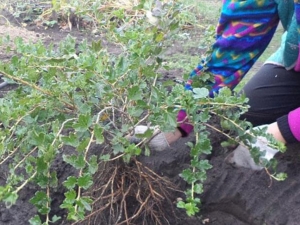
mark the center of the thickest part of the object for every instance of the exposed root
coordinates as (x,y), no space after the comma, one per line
(130,194)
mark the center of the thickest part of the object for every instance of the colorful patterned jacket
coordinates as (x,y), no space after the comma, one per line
(244,31)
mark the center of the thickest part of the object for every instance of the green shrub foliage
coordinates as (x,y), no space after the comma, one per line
(78,96)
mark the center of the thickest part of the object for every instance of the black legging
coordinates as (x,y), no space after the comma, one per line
(273,92)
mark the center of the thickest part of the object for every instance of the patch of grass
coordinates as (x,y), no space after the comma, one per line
(273,45)
(209,10)
(188,42)
(199,14)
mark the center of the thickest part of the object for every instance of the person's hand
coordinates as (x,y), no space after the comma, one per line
(241,156)
(159,141)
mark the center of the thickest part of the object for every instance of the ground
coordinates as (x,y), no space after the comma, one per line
(231,196)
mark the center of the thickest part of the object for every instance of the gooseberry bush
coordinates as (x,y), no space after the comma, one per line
(81,96)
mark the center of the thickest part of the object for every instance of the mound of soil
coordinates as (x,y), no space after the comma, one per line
(239,196)
(231,196)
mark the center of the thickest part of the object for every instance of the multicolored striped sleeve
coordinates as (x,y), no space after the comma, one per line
(245,29)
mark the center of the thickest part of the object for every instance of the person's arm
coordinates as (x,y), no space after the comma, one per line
(244,31)
(288,127)
(286,130)
(276,133)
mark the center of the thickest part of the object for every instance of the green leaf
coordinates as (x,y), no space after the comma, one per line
(83,145)
(199,176)
(127,158)
(71,140)
(198,188)
(93,164)
(188,176)
(96,46)
(70,182)
(29,168)
(200,93)
(70,196)
(205,146)
(84,108)
(118,149)
(135,111)
(55,218)
(225,92)
(181,205)
(40,196)
(83,123)
(36,220)
(86,202)
(80,162)
(205,165)
(191,209)
(203,116)
(49,154)
(147,151)
(98,131)
(40,200)
(174,26)
(42,179)
(135,93)
(105,157)
(42,166)
(37,139)
(76,161)
(159,37)
(85,181)
(170,119)
(281,176)
(70,159)
(10,199)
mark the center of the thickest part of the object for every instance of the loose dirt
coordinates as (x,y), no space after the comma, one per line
(231,196)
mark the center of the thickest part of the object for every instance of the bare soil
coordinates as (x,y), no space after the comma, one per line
(231,196)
